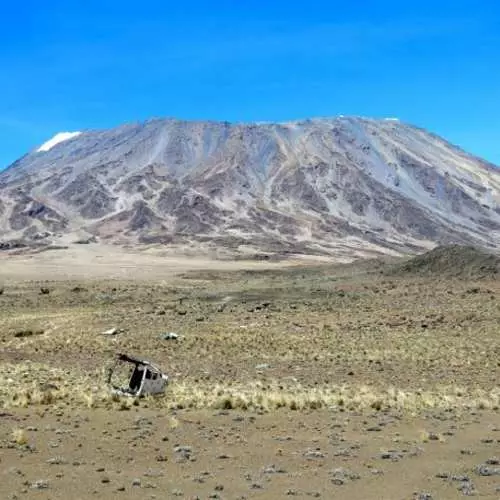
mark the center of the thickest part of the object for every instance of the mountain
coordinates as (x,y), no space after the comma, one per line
(346,186)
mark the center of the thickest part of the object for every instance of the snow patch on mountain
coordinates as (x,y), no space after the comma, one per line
(57,139)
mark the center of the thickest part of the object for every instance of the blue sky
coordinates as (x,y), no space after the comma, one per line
(75,65)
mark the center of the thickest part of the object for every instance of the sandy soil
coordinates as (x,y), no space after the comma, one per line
(114,262)
(236,455)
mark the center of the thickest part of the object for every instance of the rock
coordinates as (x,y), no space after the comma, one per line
(484,470)
(442,475)
(314,454)
(272,469)
(153,473)
(40,484)
(169,336)
(263,366)
(340,476)
(460,478)
(467,489)
(393,455)
(136,482)
(27,333)
(111,331)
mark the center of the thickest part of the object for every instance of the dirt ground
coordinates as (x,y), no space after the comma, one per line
(318,381)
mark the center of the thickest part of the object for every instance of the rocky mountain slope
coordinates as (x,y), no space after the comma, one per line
(346,186)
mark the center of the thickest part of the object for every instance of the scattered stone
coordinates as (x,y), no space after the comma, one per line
(169,336)
(443,475)
(183,453)
(40,484)
(136,482)
(111,331)
(467,489)
(262,366)
(393,455)
(314,454)
(341,476)
(272,469)
(153,473)
(343,452)
(485,470)
(27,333)
(460,478)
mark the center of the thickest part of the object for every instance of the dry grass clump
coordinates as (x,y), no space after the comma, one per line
(296,397)
(28,385)
(19,436)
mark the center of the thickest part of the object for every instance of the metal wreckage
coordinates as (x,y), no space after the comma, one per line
(144,378)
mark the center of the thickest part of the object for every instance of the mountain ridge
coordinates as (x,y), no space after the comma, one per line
(344,186)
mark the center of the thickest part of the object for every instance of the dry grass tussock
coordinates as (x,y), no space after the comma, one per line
(33,384)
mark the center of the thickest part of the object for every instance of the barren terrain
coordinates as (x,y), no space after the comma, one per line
(344,187)
(310,381)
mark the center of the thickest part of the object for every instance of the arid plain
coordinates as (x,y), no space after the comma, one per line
(287,379)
